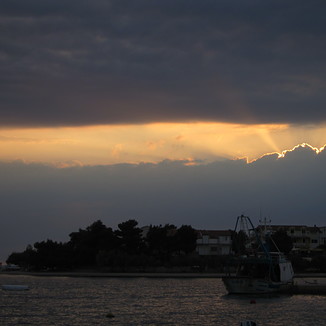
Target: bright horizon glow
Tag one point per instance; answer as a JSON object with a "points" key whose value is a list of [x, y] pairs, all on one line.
{"points": [[155, 142]]}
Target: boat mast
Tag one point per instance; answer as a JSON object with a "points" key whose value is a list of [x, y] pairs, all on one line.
{"points": [[247, 225]]}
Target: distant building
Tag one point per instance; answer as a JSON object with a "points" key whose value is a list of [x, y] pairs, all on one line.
{"points": [[322, 235], [304, 238], [144, 231], [214, 242]]}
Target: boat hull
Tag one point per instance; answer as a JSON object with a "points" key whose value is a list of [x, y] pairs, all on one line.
{"points": [[246, 285]]}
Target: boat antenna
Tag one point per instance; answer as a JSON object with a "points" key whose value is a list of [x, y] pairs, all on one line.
{"points": [[265, 221]]}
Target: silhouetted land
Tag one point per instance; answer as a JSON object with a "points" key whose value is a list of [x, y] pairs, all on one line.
{"points": [[127, 249], [130, 249]]}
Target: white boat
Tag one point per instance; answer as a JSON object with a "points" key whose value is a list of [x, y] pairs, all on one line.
{"points": [[14, 287], [259, 272]]}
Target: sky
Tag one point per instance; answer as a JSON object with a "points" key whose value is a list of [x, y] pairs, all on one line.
{"points": [[163, 111]]}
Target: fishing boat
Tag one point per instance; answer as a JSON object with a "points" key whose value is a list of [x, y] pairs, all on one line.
{"points": [[258, 270]]}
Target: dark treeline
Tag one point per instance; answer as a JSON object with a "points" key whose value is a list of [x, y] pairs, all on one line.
{"points": [[124, 249], [158, 248]]}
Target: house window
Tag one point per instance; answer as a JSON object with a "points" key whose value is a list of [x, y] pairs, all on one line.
{"points": [[303, 231], [292, 231], [214, 249]]}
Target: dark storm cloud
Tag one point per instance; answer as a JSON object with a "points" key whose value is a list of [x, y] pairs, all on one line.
{"points": [[119, 61], [39, 202]]}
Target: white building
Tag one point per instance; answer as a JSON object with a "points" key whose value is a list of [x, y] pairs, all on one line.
{"points": [[303, 237], [322, 235], [214, 242]]}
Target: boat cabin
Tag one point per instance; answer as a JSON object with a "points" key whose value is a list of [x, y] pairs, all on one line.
{"points": [[276, 267]]}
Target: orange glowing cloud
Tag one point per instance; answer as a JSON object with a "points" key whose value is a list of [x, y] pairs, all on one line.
{"points": [[283, 153], [107, 144], [303, 145]]}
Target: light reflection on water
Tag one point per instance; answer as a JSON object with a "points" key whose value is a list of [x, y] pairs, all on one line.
{"points": [[145, 301]]}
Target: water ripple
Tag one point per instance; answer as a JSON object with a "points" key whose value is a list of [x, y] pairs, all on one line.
{"points": [[142, 301]]}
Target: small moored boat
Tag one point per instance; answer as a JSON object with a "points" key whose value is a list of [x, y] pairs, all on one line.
{"points": [[14, 287], [248, 323]]}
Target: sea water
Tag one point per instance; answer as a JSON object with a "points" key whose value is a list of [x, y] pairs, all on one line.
{"points": [[63, 301]]}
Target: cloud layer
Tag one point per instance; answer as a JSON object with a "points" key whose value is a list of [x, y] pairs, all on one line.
{"points": [[122, 61], [39, 202]]}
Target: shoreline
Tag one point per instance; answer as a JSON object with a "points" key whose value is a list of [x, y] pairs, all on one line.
{"points": [[116, 274], [138, 274]]}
